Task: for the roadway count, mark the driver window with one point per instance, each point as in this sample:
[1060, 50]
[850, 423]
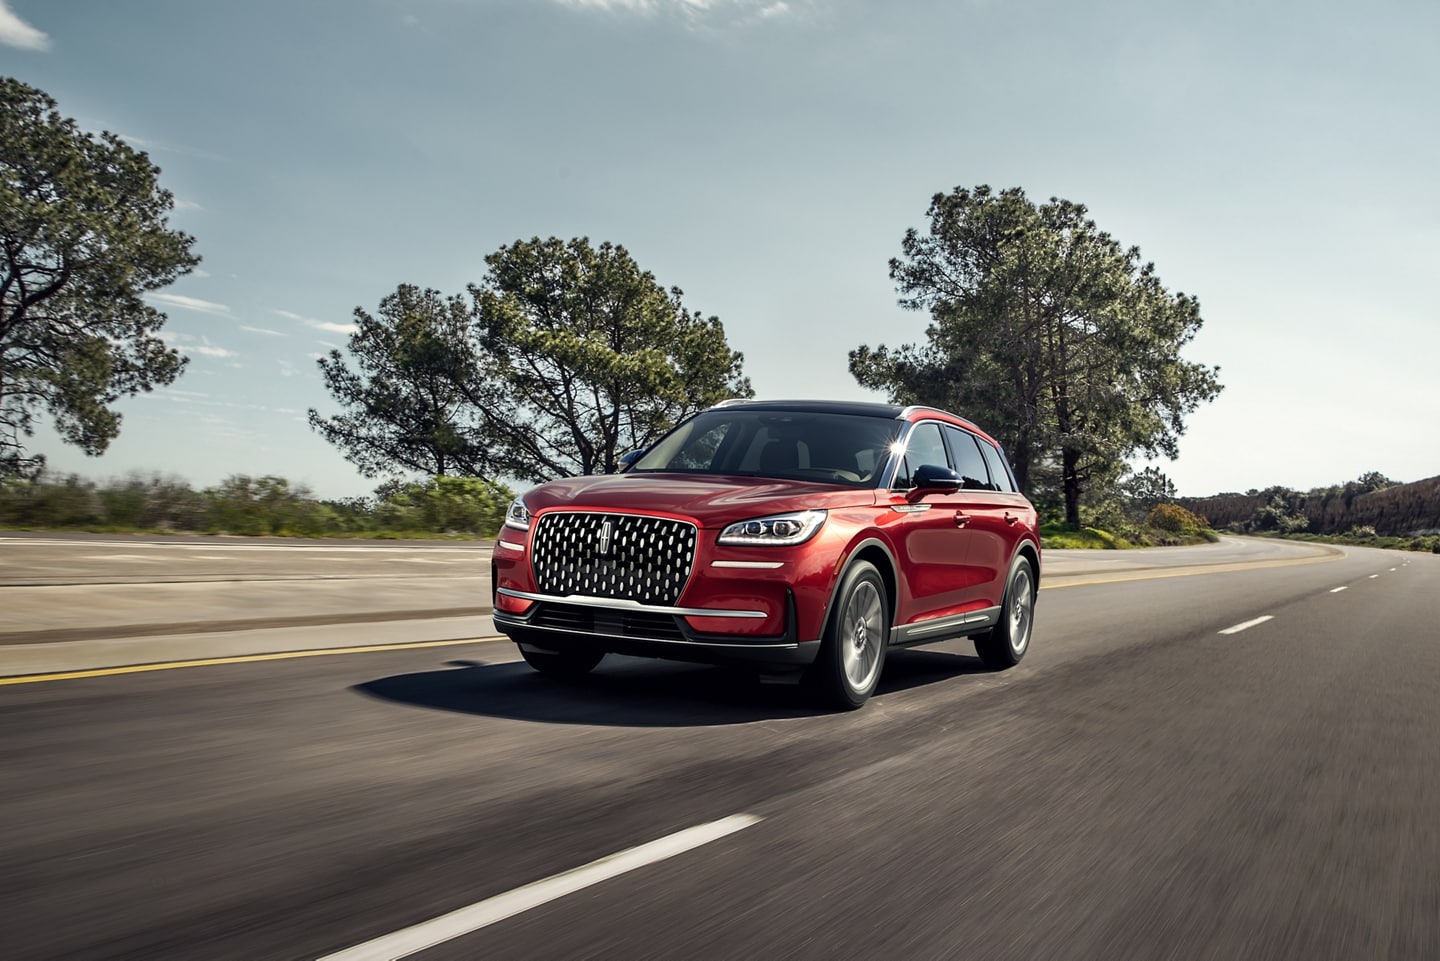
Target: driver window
[924, 446]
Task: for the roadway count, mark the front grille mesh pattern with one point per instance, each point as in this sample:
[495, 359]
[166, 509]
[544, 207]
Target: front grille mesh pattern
[624, 556]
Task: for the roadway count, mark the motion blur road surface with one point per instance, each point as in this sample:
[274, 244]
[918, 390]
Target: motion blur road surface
[1143, 785]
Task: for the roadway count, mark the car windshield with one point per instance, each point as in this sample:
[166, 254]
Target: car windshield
[849, 449]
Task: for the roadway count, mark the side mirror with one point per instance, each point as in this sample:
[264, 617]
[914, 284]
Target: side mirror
[932, 478]
[630, 458]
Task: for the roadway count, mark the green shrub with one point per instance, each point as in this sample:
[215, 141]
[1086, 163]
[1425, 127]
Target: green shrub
[1175, 519]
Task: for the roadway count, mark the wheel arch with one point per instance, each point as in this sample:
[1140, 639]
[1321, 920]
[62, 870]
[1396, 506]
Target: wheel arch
[877, 553]
[1031, 552]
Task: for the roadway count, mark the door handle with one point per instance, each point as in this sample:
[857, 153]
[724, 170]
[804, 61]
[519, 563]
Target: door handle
[1011, 519]
[961, 518]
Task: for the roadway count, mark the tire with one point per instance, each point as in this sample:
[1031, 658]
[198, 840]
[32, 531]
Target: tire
[852, 652]
[569, 663]
[1005, 644]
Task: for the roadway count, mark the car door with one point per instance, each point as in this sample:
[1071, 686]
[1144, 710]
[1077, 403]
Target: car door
[995, 513]
[929, 533]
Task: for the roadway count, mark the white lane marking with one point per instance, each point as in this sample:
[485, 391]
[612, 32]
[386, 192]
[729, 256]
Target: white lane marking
[1373, 576]
[1337, 590]
[408, 941]
[119, 557]
[1248, 624]
[1394, 569]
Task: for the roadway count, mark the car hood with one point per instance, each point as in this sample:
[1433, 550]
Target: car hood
[712, 500]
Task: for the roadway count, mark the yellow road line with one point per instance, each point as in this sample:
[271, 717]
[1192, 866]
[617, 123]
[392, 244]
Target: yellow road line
[417, 645]
[1229, 568]
[237, 659]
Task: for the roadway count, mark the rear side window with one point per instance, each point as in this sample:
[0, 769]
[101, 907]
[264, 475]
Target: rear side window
[999, 470]
[969, 462]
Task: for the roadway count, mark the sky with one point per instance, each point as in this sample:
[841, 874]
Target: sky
[1278, 160]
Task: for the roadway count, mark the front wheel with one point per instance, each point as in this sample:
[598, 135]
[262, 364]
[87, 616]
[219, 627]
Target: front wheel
[567, 663]
[1004, 644]
[853, 650]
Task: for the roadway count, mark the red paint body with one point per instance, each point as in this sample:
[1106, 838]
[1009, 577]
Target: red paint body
[943, 554]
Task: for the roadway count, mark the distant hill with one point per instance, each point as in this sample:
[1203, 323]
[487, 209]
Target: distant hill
[1402, 509]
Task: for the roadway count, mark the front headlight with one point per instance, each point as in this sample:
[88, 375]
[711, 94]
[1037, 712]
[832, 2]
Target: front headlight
[518, 515]
[778, 530]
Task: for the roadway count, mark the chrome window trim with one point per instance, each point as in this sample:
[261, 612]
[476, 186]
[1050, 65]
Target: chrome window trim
[613, 603]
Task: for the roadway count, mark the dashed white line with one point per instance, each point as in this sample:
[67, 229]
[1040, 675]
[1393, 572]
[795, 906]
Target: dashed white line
[1337, 590]
[1373, 576]
[410, 940]
[1394, 569]
[1248, 624]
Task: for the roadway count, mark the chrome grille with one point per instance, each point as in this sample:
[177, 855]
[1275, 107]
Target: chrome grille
[624, 556]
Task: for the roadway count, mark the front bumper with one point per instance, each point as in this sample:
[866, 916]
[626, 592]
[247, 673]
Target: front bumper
[627, 627]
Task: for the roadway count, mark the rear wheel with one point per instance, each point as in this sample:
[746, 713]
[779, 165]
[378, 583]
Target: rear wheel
[853, 650]
[1006, 643]
[563, 663]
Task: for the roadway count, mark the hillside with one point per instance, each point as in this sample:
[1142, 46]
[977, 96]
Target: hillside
[1402, 509]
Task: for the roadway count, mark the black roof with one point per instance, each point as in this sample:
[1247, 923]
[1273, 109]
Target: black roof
[857, 407]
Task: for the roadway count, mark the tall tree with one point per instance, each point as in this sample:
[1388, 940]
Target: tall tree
[407, 404]
[1064, 343]
[84, 236]
[595, 357]
[562, 359]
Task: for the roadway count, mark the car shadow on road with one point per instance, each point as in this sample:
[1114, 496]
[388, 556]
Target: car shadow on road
[634, 692]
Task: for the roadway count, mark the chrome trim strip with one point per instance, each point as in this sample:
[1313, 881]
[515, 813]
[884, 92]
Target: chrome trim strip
[749, 565]
[910, 508]
[934, 624]
[509, 546]
[615, 602]
[989, 614]
[667, 640]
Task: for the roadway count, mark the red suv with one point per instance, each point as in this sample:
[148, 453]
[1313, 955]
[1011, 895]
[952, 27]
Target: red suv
[787, 535]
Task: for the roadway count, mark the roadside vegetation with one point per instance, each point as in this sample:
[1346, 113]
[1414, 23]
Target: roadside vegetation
[1139, 511]
[459, 507]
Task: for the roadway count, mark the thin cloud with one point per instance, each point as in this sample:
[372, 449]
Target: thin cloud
[264, 330]
[15, 32]
[196, 345]
[314, 324]
[149, 146]
[737, 12]
[181, 204]
[325, 325]
[191, 303]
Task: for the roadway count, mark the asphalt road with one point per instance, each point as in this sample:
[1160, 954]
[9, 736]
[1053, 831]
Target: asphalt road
[1141, 786]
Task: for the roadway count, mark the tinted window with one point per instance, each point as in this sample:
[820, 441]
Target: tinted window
[969, 462]
[845, 449]
[999, 470]
[924, 446]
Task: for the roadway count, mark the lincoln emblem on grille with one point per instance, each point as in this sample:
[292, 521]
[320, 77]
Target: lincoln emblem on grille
[602, 542]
